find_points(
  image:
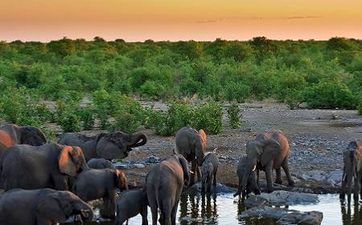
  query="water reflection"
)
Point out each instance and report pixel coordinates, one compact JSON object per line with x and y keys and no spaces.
{"x":224,"y":209}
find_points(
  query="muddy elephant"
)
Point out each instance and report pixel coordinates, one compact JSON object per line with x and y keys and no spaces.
{"x":209,"y":170}
{"x":251,"y":185}
{"x":267,"y":152}
{"x":164,"y":184}
{"x":94,"y":184}
{"x":131,"y":204}
{"x":192,"y":145}
{"x":41,"y":207}
{"x":11,"y":134}
{"x":45,"y":166}
{"x":352,"y":171}
{"x":100,"y":164}
{"x":109,"y":146}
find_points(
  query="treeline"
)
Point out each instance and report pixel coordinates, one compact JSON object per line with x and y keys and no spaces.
{"x":320,"y":74}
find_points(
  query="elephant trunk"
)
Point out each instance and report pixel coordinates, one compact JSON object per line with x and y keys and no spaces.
{"x":137,"y":139}
{"x":248,"y":170}
{"x":84,"y":210}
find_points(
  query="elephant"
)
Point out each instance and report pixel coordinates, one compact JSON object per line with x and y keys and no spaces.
{"x":131,"y":204}
{"x":164,"y":184}
{"x":268,"y":151}
{"x":11,"y":134}
{"x":93,"y":184}
{"x":192,"y":145}
{"x":209,"y":171}
{"x":100,"y":164}
{"x":41,"y":207}
{"x":45,"y":166}
{"x":352,"y":171}
{"x":109,"y":146}
{"x":251,"y":185}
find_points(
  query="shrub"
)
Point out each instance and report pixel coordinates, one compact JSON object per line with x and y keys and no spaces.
{"x":234,"y":115}
{"x":208,"y":116}
{"x":86,"y":115}
{"x":67,"y":116}
{"x":329,"y":95}
{"x":360,"y":109}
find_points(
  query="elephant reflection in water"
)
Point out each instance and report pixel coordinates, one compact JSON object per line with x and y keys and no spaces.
{"x":350,"y":217}
{"x":197,"y":207}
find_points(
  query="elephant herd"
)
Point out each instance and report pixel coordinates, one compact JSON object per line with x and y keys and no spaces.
{"x":46,"y":183}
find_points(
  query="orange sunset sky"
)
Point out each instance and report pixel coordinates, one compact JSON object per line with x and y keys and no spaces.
{"x":138,"y":20}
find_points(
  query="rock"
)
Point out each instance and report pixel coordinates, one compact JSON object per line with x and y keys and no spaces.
{"x":220,"y":188}
{"x":281,"y":198}
{"x":152,"y":159}
{"x":139,"y":165}
{"x":284,"y":215}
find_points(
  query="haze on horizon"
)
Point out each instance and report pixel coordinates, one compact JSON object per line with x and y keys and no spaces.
{"x":138,"y":20}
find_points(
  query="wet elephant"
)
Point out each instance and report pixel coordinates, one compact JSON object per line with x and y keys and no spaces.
{"x":45,"y":166}
{"x":94,"y":184}
{"x":131,"y":204}
{"x":267,"y":152}
{"x":209,"y":171}
{"x":352,"y":171}
{"x":11,"y":134}
{"x":164,"y":184}
{"x":109,"y":146}
{"x":192,"y":145}
{"x":41,"y":207}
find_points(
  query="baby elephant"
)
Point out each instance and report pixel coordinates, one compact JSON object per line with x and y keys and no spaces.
{"x":131,"y":204}
{"x":100,"y":163}
{"x":93,"y":184}
{"x":209,"y":170}
{"x":251,"y":186}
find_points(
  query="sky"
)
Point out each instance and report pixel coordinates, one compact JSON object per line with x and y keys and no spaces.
{"x":139,"y":20}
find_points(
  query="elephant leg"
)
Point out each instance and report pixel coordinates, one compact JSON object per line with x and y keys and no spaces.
{"x":109,"y":207}
{"x":278,"y":179}
{"x":154,"y":214}
{"x":173,"y":213}
{"x":287,"y":172}
{"x":269,"y":174}
{"x":215,"y":178}
{"x":356,"y":188}
{"x":198,"y":173}
{"x":209,"y":186}
{"x":343,"y":188}
{"x":257,"y":176}
{"x":144,"y":216}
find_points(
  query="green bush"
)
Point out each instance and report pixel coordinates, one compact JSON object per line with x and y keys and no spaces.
{"x":67,"y":116}
{"x":234,"y":115}
{"x":208,"y":116}
{"x":360,"y":109}
{"x":329,"y":95}
{"x":86,"y":115}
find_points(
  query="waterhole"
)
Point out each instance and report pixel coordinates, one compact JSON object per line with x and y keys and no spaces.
{"x":224,"y":209}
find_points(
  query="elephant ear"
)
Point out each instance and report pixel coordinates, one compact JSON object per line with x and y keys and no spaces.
{"x":65,"y":162}
{"x":50,"y":207}
{"x":271,"y":148}
{"x":185,"y":168}
{"x":202,"y":138}
{"x":120,"y":180}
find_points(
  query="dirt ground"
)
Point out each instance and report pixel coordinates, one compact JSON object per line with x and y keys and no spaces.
{"x":317,"y":139}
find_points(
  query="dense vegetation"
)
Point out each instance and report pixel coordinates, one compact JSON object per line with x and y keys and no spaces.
{"x":322,"y":74}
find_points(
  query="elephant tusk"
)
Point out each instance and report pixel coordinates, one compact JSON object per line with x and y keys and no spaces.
{"x":192,"y":172}
{"x":254,"y":168}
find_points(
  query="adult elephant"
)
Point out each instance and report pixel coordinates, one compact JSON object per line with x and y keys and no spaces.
{"x":41,"y":207}
{"x":109,"y":146}
{"x":11,"y":134}
{"x":164,"y":185}
{"x":267,"y":152}
{"x":45,"y":166}
{"x":192,"y":145}
{"x":352,"y":171}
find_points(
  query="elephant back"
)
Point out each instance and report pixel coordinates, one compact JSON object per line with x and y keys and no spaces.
{"x":284,"y":147}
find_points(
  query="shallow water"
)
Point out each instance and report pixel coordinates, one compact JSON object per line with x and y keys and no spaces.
{"x":224,"y":209}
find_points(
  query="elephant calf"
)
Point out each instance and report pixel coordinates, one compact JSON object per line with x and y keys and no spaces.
{"x":131,"y":204}
{"x":100,"y":164}
{"x":352,"y":171}
{"x":209,"y":171}
{"x":41,"y":207}
{"x":93,"y":184}
{"x":164,"y":185}
{"x":251,"y":186}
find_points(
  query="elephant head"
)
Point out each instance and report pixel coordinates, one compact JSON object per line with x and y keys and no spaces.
{"x":261,"y":151}
{"x":71,"y":160}
{"x":200,"y":147}
{"x":58,"y":206}
{"x":118,"y":144}
{"x":31,"y":136}
{"x":121,"y":180}
{"x":185,"y":169}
